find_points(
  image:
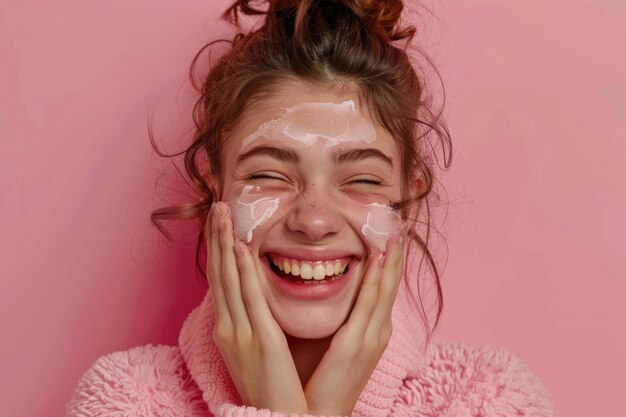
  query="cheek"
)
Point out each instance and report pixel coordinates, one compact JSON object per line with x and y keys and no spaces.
{"x":251,"y":209}
{"x":378,"y":223}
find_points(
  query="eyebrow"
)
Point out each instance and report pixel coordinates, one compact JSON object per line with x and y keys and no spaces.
{"x":282,"y":154}
{"x":340,"y":156}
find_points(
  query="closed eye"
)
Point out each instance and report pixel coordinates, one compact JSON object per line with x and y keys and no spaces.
{"x":371,"y":181}
{"x":264,"y":175}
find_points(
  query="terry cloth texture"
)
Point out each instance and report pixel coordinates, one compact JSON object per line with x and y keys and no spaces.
{"x":444,"y":380}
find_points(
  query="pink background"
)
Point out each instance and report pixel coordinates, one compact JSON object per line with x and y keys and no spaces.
{"x":536,"y":105}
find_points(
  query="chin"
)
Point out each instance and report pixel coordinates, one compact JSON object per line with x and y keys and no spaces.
{"x":310,"y":323}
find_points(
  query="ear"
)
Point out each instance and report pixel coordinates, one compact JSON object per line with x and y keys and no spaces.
{"x":416,"y":186}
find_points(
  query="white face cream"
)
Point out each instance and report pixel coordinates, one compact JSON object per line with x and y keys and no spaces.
{"x":380,"y":223}
{"x":320,"y":124}
{"x":308,"y":123}
{"x":249,"y":212}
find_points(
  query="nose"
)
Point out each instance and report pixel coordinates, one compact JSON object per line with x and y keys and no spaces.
{"x":314,"y":217}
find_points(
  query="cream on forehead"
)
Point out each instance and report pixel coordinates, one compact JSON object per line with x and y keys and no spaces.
{"x":250,"y":212}
{"x":306,"y":123}
{"x":380,"y":223}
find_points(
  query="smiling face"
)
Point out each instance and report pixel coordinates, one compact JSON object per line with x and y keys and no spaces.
{"x":309,"y":178}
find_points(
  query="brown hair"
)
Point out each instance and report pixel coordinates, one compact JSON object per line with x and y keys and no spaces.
{"x":353,"y":42}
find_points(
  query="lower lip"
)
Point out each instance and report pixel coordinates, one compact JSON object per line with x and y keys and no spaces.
{"x":308,"y":292}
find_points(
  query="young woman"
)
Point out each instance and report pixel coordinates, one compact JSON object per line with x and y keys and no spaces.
{"x":319,"y":145}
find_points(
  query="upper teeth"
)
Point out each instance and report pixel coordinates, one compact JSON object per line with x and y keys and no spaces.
{"x":317,"y":270}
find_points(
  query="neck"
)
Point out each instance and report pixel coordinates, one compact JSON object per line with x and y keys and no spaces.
{"x":307,"y":354}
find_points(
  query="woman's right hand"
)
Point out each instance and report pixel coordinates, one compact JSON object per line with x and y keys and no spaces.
{"x":252,"y":344}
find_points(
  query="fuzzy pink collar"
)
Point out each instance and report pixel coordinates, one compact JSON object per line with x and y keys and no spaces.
{"x":403,"y":357}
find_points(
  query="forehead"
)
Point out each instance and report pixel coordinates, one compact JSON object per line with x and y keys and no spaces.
{"x":301,"y":114}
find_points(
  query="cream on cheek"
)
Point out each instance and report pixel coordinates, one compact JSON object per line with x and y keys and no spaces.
{"x":381,"y":222}
{"x":250,"y":211}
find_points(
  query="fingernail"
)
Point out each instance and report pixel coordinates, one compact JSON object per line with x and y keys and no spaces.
{"x":404,"y":233}
{"x":239,"y":250}
{"x":216,"y":209}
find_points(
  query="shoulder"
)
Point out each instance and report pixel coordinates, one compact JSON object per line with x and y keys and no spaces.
{"x":143,"y":381}
{"x":463,"y":380}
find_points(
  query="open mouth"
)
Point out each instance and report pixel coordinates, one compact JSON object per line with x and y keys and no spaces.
{"x":308,"y":272}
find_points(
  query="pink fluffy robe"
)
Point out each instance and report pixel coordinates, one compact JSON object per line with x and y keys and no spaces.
{"x":444,"y":380}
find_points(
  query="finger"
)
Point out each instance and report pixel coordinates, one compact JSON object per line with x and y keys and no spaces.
{"x":392,"y":273}
{"x":393,"y":270}
{"x":259,"y":313}
{"x":230,"y":274}
{"x":214,"y":266}
{"x":366,"y":300}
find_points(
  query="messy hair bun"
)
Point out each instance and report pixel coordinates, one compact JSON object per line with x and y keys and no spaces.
{"x":321,"y":42}
{"x":382,"y":16}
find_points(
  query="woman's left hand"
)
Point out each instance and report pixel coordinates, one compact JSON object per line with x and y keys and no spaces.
{"x":358,"y":345}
